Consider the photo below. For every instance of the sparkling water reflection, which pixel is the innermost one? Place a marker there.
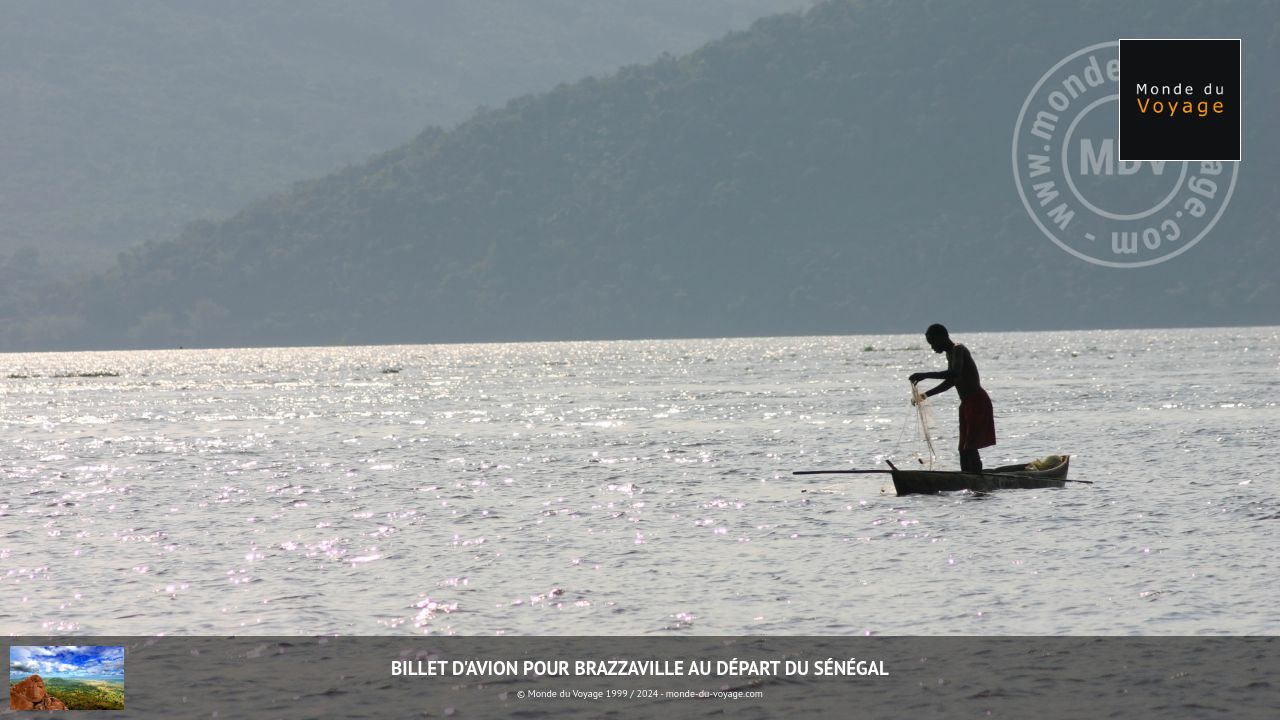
(636, 487)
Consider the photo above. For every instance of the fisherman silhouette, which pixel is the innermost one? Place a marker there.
(977, 420)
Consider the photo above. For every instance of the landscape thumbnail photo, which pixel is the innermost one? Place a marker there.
(66, 677)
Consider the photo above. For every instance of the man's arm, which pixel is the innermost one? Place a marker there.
(955, 362)
(917, 377)
(944, 386)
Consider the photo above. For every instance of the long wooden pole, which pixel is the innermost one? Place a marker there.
(840, 472)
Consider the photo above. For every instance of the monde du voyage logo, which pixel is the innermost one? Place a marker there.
(1083, 197)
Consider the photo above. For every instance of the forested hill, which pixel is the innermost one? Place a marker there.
(123, 121)
(846, 170)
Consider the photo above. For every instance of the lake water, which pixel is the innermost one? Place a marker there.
(637, 488)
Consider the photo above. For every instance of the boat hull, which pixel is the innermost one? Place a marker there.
(1009, 477)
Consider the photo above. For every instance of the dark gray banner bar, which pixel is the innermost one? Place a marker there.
(632, 677)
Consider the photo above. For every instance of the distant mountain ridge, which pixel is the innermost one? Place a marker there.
(845, 170)
(123, 121)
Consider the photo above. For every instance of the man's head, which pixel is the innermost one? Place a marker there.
(938, 338)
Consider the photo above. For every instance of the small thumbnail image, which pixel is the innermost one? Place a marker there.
(66, 677)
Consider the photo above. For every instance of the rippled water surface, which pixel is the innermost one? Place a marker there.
(635, 488)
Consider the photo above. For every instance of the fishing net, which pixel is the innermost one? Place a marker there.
(924, 420)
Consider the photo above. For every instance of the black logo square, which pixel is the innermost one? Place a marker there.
(1179, 100)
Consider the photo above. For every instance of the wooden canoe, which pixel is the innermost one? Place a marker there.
(1008, 477)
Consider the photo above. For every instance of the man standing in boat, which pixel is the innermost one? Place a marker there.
(977, 421)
